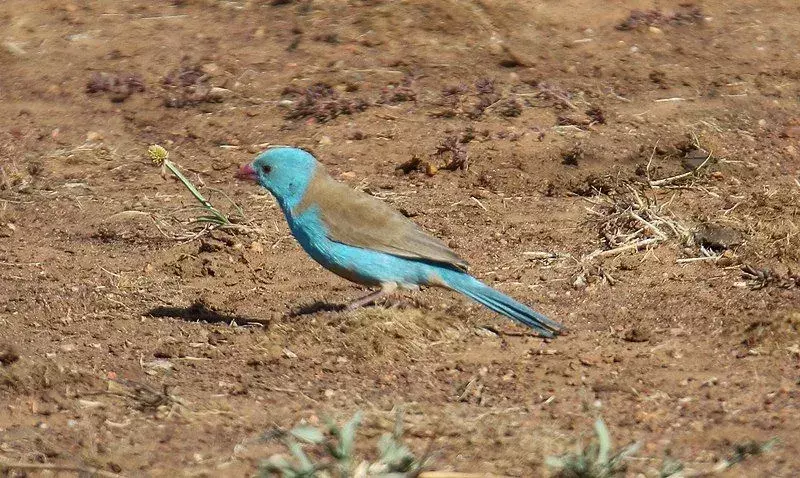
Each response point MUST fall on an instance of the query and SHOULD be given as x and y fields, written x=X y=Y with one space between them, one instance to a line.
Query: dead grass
x=377 y=333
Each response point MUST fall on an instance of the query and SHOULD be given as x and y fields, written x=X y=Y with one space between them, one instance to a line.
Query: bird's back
x=354 y=218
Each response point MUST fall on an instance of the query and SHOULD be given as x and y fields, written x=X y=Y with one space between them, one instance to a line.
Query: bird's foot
x=370 y=298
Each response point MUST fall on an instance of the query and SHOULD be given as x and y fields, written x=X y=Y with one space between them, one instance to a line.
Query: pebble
x=94 y=137
x=257 y=247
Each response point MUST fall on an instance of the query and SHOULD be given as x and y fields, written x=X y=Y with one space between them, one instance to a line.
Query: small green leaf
x=604 y=441
x=305 y=462
x=347 y=435
x=308 y=434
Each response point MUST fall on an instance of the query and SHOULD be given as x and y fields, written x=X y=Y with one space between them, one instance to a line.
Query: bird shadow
x=315 y=307
x=199 y=311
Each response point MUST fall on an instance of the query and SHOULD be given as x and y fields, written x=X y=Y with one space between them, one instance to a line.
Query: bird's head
x=284 y=171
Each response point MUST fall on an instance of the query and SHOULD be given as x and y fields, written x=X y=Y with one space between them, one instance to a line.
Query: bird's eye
x=266 y=168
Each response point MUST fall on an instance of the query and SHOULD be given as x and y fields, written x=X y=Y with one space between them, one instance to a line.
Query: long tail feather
x=501 y=303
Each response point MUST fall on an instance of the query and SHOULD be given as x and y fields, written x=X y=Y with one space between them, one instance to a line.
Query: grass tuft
x=331 y=453
x=598 y=460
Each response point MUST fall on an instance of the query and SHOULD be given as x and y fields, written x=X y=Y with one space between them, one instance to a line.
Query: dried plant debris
x=119 y=86
x=510 y=108
x=452 y=150
x=591 y=117
x=189 y=85
x=456 y=152
x=561 y=97
x=573 y=156
x=321 y=102
x=487 y=96
x=456 y=100
x=398 y=93
x=630 y=220
x=760 y=277
x=593 y=185
x=685 y=15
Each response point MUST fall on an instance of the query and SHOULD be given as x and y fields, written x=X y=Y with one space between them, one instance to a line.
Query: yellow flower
x=157 y=154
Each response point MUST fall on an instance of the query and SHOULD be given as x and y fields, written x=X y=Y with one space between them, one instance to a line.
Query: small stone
x=717 y=237
x=257 y=247
x=329 y=393
x=211 y=69
x=94 y=137
x=589 y=360
x=347 y=175
x=580 y=282
x=219 y=95
x=14 y=48
x=325 y=140
x=694 y=159
x=67 y=347
x=656 y=30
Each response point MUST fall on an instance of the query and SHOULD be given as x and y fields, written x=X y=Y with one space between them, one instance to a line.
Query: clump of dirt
x=8 y=354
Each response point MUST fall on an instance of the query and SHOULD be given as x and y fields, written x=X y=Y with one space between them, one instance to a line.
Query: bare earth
x=130 y=344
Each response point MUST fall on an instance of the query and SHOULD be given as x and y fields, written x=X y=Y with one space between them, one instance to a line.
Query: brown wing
x=360 y=220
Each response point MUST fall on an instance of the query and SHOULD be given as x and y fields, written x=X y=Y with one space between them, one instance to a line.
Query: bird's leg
x=385 y=289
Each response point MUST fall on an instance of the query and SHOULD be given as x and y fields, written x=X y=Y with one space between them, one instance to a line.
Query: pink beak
x=246 y=172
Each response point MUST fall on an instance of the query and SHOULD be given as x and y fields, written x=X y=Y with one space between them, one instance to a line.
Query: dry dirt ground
x=132 y=344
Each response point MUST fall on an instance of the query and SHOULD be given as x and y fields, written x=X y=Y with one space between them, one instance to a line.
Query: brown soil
x=126 y=349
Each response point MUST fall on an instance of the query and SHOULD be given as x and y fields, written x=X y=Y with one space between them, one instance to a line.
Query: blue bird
x=361 y=239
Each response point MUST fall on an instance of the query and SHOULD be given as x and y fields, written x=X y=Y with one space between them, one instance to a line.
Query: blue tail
x=500 y=303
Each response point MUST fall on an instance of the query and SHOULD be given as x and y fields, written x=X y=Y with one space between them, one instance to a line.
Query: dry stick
x=672 y=179
x=665 y=100
x=291 y=391
x=562 y=98
x=627 y=247
x=696 y=259
x=479 y=203
x=653 y=228
x=8 y=465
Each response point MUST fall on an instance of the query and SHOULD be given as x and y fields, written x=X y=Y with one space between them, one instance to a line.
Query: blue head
x=284 y=171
